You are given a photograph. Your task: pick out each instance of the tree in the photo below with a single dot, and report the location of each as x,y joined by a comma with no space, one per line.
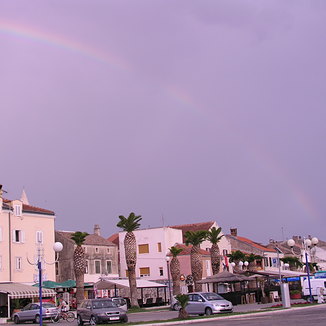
195,238
236,257
175,269
130,224
251,259
214,236
183,301
79,263
294,262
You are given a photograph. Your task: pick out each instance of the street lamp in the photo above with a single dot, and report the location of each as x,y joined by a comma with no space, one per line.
57,247
169,278
306,246
240,264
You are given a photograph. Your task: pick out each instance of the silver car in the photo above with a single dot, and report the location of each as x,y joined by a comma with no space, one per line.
31,312
207,303
96,311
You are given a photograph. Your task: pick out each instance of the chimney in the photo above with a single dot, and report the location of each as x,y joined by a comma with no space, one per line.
234,232
97,229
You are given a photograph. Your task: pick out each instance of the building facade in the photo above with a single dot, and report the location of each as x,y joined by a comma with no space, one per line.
101,257
26,232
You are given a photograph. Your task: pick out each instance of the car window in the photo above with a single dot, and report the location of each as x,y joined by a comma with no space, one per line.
103,304
197,297
212,296
27,307
35,306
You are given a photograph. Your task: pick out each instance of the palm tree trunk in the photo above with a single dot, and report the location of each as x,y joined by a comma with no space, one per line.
79,288
175,273
196,267
215,259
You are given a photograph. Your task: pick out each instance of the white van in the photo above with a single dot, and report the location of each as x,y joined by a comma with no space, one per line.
316,285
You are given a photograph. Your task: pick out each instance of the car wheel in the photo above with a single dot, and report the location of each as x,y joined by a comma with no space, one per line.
37,319
93,321
16,320
176,306
208,311
124,319
79,321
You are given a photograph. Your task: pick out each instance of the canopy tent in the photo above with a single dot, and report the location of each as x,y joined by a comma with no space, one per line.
19,291
115,284
225,277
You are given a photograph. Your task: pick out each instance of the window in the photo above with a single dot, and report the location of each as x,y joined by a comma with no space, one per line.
159,247
266,261
18,210
144,271
225,252
18,236
143,248
108,250
161,271
109,266
39,236
18,263
86,266
96,250
97,267
56,268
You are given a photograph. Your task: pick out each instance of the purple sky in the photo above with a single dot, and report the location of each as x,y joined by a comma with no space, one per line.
187,110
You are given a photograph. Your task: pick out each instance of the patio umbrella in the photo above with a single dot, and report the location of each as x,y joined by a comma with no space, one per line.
225,277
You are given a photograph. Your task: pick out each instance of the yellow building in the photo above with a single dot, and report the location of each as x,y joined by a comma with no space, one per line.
26,231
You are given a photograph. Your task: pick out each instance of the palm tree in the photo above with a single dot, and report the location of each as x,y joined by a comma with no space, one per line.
175,269
236,257
195,238
214,236
183,301
130,224
79,263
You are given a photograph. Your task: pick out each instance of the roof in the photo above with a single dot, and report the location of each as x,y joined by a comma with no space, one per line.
29,208
114,238
187,249
203,226
124,283
252,243
91,239
194,226
18,290
226,277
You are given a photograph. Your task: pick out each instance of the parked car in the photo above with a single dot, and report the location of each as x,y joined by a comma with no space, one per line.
120,302
31,312
96,311
205,303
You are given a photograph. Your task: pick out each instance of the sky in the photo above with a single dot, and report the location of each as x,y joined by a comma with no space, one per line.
179,111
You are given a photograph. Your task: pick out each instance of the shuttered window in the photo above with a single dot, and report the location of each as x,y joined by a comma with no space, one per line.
144,271
143,248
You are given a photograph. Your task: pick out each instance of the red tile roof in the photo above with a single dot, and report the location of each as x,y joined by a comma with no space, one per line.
187,249
32,209
255,244
203,226
114,238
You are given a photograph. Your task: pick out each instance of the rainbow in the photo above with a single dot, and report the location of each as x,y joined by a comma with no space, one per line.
181,96
58,41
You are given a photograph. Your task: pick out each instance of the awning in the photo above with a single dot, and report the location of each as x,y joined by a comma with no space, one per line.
225,277
19,290
124,283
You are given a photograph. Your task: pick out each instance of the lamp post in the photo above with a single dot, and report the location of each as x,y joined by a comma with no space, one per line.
57,247
306,246
169,278
240,264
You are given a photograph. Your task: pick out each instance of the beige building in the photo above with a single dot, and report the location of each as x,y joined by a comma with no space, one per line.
25,232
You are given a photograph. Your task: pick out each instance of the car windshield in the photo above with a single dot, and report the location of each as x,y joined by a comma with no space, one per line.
103,304
212,296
